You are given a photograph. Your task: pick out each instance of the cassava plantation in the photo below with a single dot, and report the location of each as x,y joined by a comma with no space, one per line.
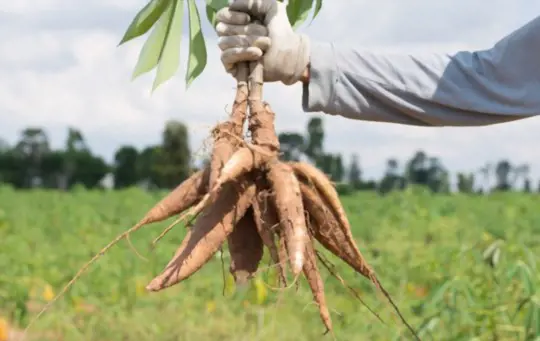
457,265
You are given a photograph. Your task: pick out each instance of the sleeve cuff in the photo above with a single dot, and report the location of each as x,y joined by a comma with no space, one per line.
318,92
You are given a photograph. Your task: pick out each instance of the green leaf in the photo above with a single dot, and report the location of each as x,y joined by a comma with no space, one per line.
145,19
467,291
211,15
527,281
197,46
428,325
496,257
217,4
532,320
489,250
170,53
492,254
531,257
150,53
537,322
525,275
438,294
521,305
318,7
298,11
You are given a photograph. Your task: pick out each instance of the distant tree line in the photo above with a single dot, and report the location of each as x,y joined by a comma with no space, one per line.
31,163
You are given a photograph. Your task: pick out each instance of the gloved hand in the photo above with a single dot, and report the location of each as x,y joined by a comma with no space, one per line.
285,53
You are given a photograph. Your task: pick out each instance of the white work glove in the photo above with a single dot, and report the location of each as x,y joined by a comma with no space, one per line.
285,53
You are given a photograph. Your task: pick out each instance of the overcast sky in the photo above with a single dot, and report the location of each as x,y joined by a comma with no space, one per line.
60,66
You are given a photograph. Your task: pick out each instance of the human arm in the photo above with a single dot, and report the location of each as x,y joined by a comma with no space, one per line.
469,88
474,88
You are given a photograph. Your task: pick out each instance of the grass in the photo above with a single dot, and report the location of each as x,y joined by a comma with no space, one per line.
429,252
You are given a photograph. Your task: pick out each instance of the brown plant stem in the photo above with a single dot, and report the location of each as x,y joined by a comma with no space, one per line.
225,132
239,111
261,119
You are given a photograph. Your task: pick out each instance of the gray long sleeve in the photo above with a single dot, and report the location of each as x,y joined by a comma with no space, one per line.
485,87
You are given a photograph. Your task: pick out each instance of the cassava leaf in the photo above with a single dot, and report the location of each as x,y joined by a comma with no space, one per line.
211,15
438,294
496,257
532,320
216,5
170,52
522,303
527,281
318,7
525,275
428,326
145,19
197,46
537,325
150,53
162,48
537,321
492,254
467,292
298,11
212,7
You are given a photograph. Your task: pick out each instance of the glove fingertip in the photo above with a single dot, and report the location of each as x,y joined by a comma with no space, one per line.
228,16
262,43
221,28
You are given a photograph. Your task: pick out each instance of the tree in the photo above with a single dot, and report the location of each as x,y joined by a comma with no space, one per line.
437,176
527,186
465,183
32,147
75,145
503,169
392,166
291,146
417,170
146,166
485,171
338,168
520,172
13,168
325,163
332,165
53,170
174,156
355,174
88,170
125,167
315,140
391,180
75,141
427,171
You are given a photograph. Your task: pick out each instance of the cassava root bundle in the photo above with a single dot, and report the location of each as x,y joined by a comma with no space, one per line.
251,199
254,200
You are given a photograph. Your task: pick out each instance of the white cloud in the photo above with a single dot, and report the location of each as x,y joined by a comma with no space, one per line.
58,72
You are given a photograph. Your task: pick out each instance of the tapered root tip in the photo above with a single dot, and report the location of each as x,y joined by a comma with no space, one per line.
154,285
298,264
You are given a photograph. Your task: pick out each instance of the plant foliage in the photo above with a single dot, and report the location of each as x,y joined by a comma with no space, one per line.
164,19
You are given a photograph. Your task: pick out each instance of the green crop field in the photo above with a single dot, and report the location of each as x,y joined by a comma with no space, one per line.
459,268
